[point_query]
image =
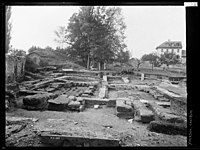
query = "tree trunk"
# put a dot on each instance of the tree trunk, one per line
(88, 62)
(104, 66)
(99, 66)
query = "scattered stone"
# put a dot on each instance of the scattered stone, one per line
(85, 95)
(89, 92)
(164, 104)
(96, 106)
(125, 79)
(73, 98)
(79, 99)
(57, 85)
(144, 101)
(48, 89)
(74, 105)
(81, 108)
(130, 120)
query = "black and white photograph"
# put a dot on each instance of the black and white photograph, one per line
(95, 76)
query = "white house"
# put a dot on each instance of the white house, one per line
(172, 46)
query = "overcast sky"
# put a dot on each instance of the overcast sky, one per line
(147, 26)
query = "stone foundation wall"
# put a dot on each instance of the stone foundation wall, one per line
(15, 66)
(179, 106)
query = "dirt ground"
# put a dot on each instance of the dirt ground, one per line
(91, 122)
(101, 122)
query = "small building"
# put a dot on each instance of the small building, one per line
(170, 47)
(35, 57)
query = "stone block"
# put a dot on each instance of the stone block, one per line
(85, 95)
(125, 115)
(81, 108)
(143, 112)
(122, 107)
(165, 114)
(164, 104)
(90, 102)
(111, 103)
(89, 92)
(64, 140)
(37, 99)
(74, 104)
(60, 103)
(146, 116)
(73, 98)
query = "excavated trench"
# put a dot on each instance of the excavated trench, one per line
(81, 94)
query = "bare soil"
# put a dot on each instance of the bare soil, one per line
(91, 122)
(101, 122)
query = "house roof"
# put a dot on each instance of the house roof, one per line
(39, 54)
(170, 44)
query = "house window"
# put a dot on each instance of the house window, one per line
(167, 50)
(172, 50)
(177, 50)
(161, 50)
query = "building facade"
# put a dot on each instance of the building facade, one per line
(172, 47)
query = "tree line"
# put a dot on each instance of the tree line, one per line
(94, 35)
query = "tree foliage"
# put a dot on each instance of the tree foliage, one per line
(96, 34)
(8, 28)
(152, 58)
(169, 59)
(60, 36)
(33, 48)
(123, 57)
(17, 52)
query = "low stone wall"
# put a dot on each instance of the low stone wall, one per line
(15, 68)
(179, 106)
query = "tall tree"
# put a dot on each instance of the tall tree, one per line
(8, 28)
(152, 58)
(96, 34)
(123, 57)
